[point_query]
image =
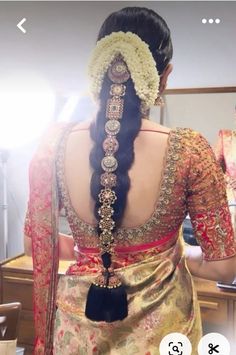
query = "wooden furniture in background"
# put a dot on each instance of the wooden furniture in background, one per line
(16, 285)
(9, 326)
(9, 320)
(218, 308)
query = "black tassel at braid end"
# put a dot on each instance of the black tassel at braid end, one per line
(107, 298)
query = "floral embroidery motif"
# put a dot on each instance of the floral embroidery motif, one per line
(214, 234)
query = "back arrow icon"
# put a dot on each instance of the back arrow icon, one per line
(19, 25)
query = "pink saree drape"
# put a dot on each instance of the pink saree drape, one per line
(41, 226)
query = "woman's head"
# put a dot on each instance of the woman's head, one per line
(148, 25)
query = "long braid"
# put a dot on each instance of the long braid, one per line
(125, 155)
(125, 50)
(107, 299)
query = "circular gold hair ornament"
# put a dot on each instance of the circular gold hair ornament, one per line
(112, 127)
(109, 164)
(110, 145)
(108, 180)
(118, 72)
(105, 211)
(117, 90)
(107, 197)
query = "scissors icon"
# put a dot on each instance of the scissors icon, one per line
(213, 348)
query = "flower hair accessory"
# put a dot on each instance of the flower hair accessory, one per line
(138, 58)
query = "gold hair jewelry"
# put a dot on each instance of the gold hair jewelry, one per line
(137, 57)
(118, 73)
(107, 298)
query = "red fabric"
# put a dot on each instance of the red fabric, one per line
(41, 226)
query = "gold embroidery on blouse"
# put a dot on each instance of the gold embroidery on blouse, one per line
(182, 190)
(86, 234)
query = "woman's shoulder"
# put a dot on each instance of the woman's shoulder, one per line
(153, 126)
(191, 141)
(184, 134)
(186, 139)
(188, 134)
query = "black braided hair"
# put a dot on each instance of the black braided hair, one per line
(152, 29)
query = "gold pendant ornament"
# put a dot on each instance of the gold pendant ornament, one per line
(108, 180)
(109, 164)
(110, 145)
(118, 72)
(115, 108)
(112, 127)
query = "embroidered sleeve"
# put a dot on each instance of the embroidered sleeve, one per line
(207, 202)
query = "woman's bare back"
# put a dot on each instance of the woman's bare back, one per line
(150, 148)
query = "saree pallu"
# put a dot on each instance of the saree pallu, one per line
(161, 300)
(41, 225)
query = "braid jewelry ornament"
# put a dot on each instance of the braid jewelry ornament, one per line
(107, 299)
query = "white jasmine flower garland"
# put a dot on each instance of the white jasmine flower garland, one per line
(139, 60)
